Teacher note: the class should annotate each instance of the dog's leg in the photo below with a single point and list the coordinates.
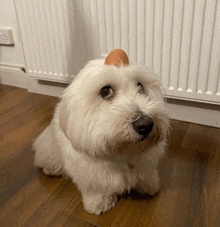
(47, 155)
(97, 203)
(148, 183)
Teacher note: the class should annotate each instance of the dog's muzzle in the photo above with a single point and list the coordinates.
(143, 125)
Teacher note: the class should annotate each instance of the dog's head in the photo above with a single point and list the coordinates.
(113, 110)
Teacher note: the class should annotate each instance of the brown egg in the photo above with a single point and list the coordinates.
(116, 57)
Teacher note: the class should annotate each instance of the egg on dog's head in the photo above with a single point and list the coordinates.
(117, 57)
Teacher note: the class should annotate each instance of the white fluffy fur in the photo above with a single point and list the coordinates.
(91, 139)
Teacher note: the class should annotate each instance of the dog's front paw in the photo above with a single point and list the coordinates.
(148, 187)
(97, 203)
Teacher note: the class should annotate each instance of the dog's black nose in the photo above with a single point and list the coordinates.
(143, 125)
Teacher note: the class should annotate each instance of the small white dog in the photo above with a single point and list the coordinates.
(108, 132)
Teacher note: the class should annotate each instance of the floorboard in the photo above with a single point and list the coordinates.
(189, 175)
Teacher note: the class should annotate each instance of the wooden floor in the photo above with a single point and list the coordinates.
(189, 174)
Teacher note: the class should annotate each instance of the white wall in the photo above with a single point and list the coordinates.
(11, 57)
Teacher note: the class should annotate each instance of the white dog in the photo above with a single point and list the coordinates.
(108, 132)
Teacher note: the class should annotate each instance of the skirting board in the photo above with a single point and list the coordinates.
(45, 87)
(198, 113)
(13, 78)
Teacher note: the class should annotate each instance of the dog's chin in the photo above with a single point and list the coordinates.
(138, 145)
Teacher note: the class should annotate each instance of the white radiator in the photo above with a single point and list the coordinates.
(179, 39)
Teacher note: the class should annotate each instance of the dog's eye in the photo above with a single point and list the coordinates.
(106, 92)
(140, 88)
